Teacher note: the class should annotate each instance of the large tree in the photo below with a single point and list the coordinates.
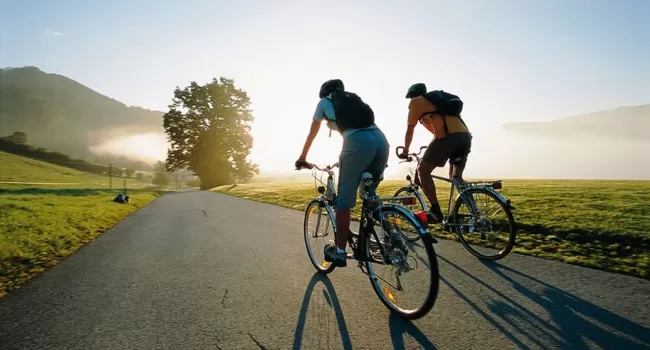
(208, 127)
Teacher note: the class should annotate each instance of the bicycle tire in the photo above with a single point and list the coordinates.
(320, 204)
(505, 207)
(434, 285)
(420, 200)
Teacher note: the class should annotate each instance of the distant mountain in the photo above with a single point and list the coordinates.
(628, 123)
(63, 115)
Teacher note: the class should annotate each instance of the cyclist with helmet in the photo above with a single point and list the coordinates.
(452, 141)
(365, 149)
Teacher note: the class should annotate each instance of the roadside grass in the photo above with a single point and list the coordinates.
(40, 228)
(597, 224)
(40, 225)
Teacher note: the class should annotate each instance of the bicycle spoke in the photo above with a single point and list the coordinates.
(482, 234)
(404, 284)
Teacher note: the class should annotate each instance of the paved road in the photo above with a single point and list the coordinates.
(201, 270)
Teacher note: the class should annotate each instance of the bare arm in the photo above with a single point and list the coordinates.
(313, 131)
(408, 137)
(411, 123)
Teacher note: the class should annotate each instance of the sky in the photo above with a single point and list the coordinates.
(510, 61)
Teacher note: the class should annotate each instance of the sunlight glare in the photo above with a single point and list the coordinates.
(150, 146)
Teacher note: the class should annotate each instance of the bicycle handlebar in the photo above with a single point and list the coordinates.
(327, 168)
(409, 158)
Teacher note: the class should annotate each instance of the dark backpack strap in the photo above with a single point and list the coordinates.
(325, 115)
(444, 120)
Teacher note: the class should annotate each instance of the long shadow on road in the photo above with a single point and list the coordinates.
(319, 338)
(400, 327)
(535, 312)
(320, 316)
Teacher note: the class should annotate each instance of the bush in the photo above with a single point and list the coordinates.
(194, 182)
(160, 179)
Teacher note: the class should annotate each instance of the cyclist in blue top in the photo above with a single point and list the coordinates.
(365, 149)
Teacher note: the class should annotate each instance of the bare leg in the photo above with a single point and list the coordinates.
(342, 227)
(428, 186)
(459, 174)
(417, 178)
(429, 189)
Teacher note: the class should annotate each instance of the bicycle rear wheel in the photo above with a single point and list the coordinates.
(318, 227)
(486, 236)
(403, 260)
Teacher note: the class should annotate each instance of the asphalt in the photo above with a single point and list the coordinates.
(200, 270)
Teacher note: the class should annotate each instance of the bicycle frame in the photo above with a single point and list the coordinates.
(460, 188)
(328, 192)
(366, 222)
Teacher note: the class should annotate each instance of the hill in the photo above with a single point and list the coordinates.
(627, 123)
(20, 172)
(20, 169)
(62, 115)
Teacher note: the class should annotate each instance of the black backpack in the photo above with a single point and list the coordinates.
(350, 111)
(446, 104)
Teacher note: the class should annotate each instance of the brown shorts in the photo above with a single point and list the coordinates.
(453, 147)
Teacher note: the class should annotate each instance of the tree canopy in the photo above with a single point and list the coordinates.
(17, 137)
(208, 127)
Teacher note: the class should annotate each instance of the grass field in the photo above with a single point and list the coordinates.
(42, 224)
(598, 224)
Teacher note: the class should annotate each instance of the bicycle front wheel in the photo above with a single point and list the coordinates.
(491, 234)
(415, 204)
(318, 228)
(403, 274)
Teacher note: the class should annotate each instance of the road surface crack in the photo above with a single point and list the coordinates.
(223, 299)
(256, 342)
(217, 341)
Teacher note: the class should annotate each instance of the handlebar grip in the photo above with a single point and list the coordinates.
(397, 152)
(303, 165)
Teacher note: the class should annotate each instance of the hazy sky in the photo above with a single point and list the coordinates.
(508, 60)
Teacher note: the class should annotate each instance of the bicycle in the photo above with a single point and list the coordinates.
(412, 188)
(477, 220)
(368, 247)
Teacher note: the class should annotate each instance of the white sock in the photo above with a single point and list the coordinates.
(340, 251)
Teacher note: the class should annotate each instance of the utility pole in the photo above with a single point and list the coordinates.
(110, 176)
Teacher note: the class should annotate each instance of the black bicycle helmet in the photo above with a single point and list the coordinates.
(416, 90)
(329, 86)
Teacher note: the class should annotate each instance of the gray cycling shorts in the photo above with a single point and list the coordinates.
(365, 150)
